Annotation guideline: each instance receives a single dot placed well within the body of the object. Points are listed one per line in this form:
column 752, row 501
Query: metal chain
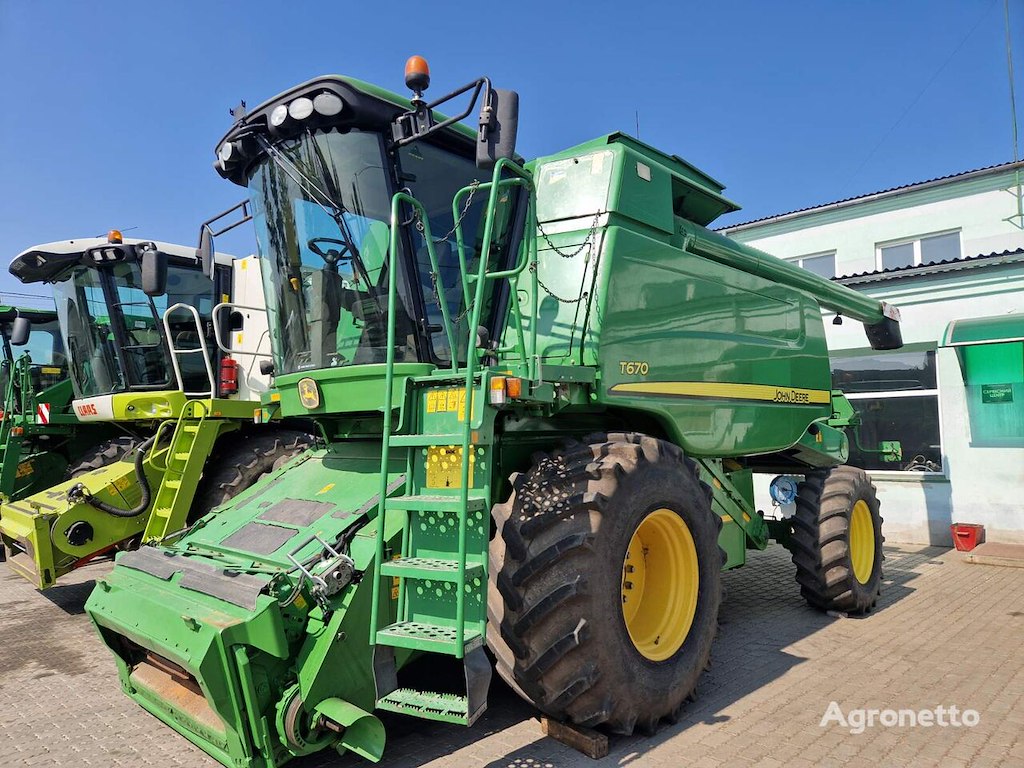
column 582, row 297
column 433, row 283
column 587, row 241
column 473, row 186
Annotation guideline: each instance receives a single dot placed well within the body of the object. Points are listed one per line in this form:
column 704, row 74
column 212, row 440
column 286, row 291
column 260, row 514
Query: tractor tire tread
column 239, row 460
column 820, row 545
column 542, row 557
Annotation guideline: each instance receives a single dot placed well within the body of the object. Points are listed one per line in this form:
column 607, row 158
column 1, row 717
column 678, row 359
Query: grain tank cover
column 654, row 186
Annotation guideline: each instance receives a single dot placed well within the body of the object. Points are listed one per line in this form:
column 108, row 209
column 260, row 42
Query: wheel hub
column 660, row 585
column 862, row 542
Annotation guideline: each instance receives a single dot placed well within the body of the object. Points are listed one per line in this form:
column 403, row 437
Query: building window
column 943, row 246
column 823, row 264
column 897, row 398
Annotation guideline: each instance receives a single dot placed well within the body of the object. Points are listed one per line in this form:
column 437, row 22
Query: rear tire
column 837, row 540
column 241, row 460
column 558, row 623
column 102, row 455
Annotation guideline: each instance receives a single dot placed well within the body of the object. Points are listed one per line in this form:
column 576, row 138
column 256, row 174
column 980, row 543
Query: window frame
column 915, row 241
column 820, row 254
column 853, row 397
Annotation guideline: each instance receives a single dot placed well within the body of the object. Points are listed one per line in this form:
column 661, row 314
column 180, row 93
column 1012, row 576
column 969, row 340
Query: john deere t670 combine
column 542, row 391
column 137, row 319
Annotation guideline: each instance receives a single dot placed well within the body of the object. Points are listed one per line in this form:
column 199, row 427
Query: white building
column 949, row 253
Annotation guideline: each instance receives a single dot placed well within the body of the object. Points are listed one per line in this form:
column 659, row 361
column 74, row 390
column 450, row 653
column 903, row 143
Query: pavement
column 945, row 634
column 997, row 553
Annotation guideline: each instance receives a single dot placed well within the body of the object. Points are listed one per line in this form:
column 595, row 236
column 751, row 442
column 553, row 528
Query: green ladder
column 441, row 572
column 441, row 578
column 182, row 466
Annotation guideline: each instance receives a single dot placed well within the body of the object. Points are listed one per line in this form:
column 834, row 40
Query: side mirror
column 205, row 250
column 154, row 273
column 499, row 124
column 267, row 367
column 20, row 329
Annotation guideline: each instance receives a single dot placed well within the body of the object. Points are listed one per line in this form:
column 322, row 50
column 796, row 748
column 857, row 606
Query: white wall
column 977, row 485
column 979, row 217
column 987, row 483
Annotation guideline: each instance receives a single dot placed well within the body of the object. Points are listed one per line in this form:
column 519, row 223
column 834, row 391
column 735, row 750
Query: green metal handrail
column 530, row 235
column 398, row 199
column 521, row 177
column 482, row 276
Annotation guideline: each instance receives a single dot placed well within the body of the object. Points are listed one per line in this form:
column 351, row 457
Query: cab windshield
column 45, row 349
column 114, row 333
column 321, row 206
column 321, row 212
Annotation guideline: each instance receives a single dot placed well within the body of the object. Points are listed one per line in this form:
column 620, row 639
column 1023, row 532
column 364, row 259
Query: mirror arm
column 210, row 229
column 425, row 112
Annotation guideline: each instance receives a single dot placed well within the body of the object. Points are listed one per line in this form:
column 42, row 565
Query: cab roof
column 47, row 262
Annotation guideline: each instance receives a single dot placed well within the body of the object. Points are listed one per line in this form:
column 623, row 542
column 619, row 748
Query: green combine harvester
column 542, row 390
column 140, row 329
column 40, row 437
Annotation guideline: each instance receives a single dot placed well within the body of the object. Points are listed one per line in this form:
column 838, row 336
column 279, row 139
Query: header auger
column 542, row 390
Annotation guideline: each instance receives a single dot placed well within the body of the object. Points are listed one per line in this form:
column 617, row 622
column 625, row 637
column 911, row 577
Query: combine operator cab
column 112, row 298
column 329, row 167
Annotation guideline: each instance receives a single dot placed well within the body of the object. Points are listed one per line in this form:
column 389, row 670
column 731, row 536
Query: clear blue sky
column 112, row 109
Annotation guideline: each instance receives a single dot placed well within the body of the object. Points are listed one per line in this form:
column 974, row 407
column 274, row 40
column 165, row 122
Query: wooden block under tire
column 586, row 740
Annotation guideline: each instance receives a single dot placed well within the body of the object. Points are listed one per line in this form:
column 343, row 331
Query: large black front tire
column 838, row 563
column 239, row 461
column 102, row 455
column 557, row 623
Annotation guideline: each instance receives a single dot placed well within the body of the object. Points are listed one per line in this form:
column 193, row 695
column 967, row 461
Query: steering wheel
column 331, row 255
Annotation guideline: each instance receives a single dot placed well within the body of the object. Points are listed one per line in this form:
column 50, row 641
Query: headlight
column 328, row 104
column 279, row 115
column 226, row 150
column 301, row 108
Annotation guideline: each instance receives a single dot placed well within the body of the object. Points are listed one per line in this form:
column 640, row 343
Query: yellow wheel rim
column 862, row 542
column 660, row 582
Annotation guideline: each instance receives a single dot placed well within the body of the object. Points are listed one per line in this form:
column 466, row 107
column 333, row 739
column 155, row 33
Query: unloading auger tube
column 78, row 493
column 881, row 320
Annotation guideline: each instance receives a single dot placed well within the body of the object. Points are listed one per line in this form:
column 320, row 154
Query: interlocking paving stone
column 945, row 632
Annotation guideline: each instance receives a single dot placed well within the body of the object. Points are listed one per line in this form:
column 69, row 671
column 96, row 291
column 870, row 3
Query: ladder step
column 192, row 428
column 445, row 707
column 427, row 637
column 435, row 503
column 175, row 484
column 162, row 512
column 181, row 456
column 413, row 441
column 433, row 568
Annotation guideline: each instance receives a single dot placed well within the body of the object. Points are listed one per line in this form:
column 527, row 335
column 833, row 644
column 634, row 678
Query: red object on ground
column 966, row 536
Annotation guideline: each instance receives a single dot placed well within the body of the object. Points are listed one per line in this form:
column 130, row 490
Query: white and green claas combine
column 171, row 356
